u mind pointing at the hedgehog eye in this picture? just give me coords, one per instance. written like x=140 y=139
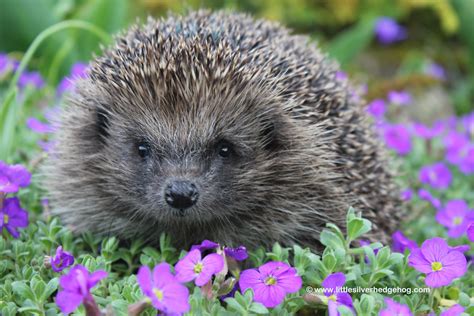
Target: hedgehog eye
x=225 y=149
x=143 y=149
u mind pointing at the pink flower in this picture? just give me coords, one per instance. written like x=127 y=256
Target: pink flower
x=401 y=242
x=397 y=138
x=192 y=267
x=164 y=290
x=426 y=195
x=436 y=175
x=399 y=97
x=456 y=216
x=39 y=127
x=377 y=108
x=271 y=282
x=76 y=286
x=12 y=177
x=454 y=310
x=470 y=232
x=407 y=194
x=440 y=264
x=426 y=132
x=395 y=308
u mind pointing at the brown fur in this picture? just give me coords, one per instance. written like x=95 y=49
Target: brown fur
x=304 y=151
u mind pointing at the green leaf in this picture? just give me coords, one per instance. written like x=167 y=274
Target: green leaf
x=331 y=240
x=357 y=227
x=350 y=43
x=258 y=308
x=23 y=290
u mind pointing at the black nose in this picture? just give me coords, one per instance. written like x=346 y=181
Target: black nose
x=181 y=194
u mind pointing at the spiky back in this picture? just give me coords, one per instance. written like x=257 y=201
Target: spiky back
x=331 y=158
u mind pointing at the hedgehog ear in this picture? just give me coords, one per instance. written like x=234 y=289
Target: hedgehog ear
x=270 y=136
x=102 y=123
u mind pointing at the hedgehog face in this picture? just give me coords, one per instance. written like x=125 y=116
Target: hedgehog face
x=188 y=161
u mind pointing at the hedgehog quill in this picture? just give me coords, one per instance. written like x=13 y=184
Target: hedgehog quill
x=217 y=126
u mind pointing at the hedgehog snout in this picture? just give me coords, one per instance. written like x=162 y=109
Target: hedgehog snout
x=181 y=194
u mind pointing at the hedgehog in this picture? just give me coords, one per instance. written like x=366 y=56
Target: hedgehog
x=218 y=126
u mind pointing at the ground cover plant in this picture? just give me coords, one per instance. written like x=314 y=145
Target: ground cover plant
x=422 y=110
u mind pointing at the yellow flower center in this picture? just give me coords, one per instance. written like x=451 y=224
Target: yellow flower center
x=5 y=219
x=436 y=266
x=333 y=297
x=158 y=293
x=270 y=281
x=457 y=220
x=198 y=267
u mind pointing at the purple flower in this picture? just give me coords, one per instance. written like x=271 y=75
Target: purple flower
x=271 y=282
x=456 y=145
x=33 y=79
x=407 y=194
x=399 y=97
x=6 y=64
x=377 y=108
x=437 y=175
x=341 y=75
x=205 y=245
x=12 y=216
x=460 y=248
x=470 y=232
x=76 y=286
x=426 y=132
x=456 y=216
x=332 y=289
x=192 y=267
x=440 y=264
x=466 y=165
x=395 y=308
x=388 y=31
x=164 y=290
x=78 y=71
x=364 y=243
x=39 y=127
x=454 y=310
x=468 y=123
x=46 y=146
x=436 y=71
x=426 y=195
x=12 y=177
x=239 y=253
x=401 y=242
x=61 y=260
x=397 y=138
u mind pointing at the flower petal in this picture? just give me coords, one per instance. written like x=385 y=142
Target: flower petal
x=68 y=301
x=269 y=295
x=176 y=298
x=419 y=262
x=438 y=279
x=333 y=281
x=249 y=278
x=144 y=280
x=162 y=275
x=213 y=262
x=434 y=249
x=290 y=281
x=454 y=263
x=95 y=278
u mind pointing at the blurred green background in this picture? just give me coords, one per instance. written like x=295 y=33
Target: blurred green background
x=439 y=31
